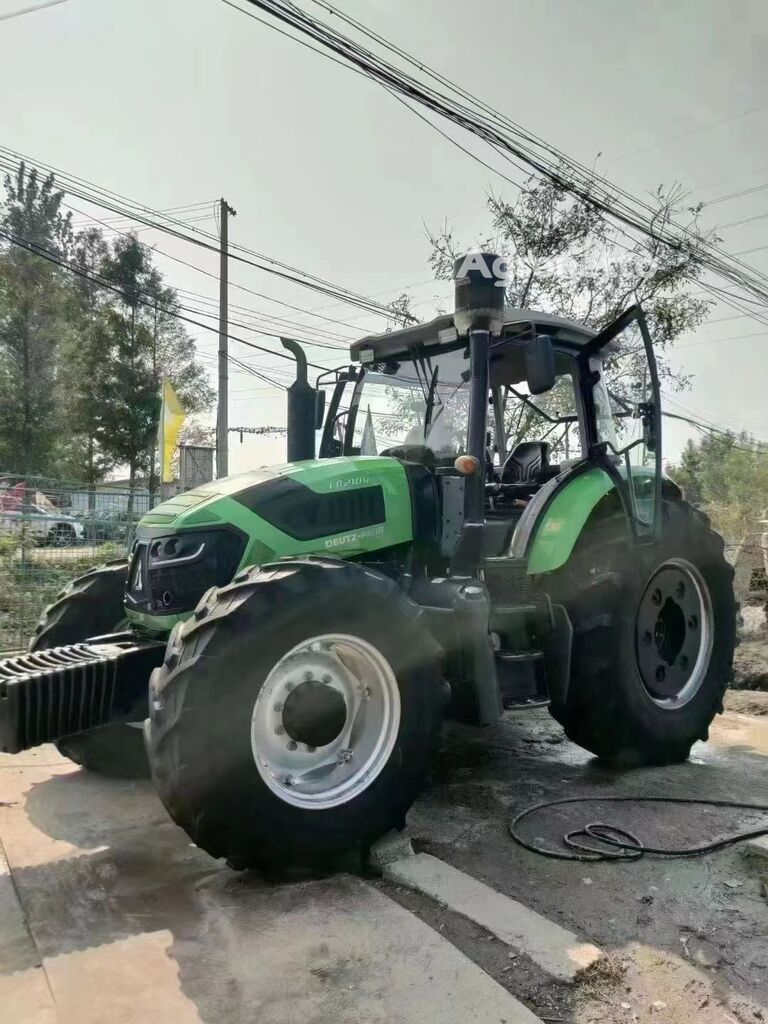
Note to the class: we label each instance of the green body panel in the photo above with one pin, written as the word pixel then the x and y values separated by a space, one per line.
pixel 561 524
pixel 215 504
pixel 563 521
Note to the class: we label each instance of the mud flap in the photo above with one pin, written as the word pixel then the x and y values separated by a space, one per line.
pixel 557 646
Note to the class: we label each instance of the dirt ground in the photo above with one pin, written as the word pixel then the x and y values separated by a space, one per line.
pixel 688 938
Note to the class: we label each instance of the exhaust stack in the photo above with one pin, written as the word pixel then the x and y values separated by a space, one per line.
pixel 302 408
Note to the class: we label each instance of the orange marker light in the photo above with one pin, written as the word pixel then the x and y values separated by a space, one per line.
pixel 467 465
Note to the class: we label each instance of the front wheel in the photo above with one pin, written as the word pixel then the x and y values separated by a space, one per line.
pixel 654 634
pixel 295 715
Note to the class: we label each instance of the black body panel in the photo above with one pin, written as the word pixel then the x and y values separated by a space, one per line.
pixel 304 514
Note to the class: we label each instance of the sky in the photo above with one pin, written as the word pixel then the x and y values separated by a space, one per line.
pixel 174 102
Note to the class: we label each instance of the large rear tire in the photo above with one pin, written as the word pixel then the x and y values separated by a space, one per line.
pixel 90 606
pixel 654 634
pixel 295 715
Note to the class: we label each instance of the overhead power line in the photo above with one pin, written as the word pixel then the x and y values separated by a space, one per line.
pixel 736 195
pixel 760 447
pixel 207 273
pixel 693 131
pixel 516 143
pixel 31 10
pixel 52 257
pixel 90 192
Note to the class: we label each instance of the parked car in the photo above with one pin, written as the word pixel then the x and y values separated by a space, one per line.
pixel 105 524
pixel 43 522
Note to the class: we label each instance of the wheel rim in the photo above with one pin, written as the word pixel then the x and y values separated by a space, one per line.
pixel 325 721
pixel 674 633
pixel 62 536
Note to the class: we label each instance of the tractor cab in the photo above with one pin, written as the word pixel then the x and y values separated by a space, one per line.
pixel 500 408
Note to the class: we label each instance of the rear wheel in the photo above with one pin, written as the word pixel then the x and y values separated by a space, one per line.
pixel 90 606
pixel 295 715
pixel 654 633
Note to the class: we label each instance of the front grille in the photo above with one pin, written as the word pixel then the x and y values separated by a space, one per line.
pixel 205 559
pixel 179 589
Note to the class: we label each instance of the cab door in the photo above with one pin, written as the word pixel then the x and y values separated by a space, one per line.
pixel 620 389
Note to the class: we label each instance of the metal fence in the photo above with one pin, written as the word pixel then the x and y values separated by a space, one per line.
pixel 51 532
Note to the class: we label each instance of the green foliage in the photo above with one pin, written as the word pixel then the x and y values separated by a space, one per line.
pixel 34 297
pixel 727 476
pixel 81 364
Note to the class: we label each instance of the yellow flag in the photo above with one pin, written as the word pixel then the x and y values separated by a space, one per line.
pixel 172 416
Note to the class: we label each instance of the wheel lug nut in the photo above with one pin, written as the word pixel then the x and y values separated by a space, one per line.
pixel 279 730
pixel 656 596
pixel 310 750
pixel 307 677
pixel 289 686
pixel 326 679
pixel 292 745
pixel 278 707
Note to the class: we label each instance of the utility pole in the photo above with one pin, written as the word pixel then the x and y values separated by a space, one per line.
pixel 222 416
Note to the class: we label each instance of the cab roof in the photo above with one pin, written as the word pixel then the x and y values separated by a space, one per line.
pixel 442 331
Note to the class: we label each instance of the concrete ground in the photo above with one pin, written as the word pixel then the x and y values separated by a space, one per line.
pixel 108 914
pixel 689 933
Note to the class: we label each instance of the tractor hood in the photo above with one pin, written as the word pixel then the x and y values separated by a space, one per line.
pixel 344 507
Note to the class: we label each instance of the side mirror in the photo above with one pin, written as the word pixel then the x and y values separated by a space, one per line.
pixel 319 408
pixel 539 364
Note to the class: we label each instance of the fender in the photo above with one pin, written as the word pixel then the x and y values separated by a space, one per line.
pixel 553 520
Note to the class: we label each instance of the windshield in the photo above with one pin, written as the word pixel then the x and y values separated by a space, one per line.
pixel 422 403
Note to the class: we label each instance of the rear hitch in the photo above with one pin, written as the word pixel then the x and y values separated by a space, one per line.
pixel 45 695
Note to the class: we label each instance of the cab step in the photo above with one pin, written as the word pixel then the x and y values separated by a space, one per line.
pixel 522 679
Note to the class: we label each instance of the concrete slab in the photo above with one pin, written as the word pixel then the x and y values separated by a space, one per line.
pixel 757 848
pixel 553 948
pixel 24 994
pixel 392 846
pixel 133 925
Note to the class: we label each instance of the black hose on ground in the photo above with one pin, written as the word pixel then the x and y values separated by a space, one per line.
pixel 620 842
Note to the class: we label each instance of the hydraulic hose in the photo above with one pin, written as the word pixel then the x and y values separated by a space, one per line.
pixel 619 842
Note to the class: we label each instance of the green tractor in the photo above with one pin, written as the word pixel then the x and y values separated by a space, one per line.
pixel 475 520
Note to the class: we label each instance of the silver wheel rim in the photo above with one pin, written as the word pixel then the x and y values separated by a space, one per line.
pixel 329 681
pixel 674 634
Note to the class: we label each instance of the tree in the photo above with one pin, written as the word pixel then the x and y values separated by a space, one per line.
pixel 34 296
pixel 82 356
pixel 727 476
pixel 146 342
pixel 565 258
pixel 84 365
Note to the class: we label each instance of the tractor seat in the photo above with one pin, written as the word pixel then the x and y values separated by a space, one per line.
pixel 527 463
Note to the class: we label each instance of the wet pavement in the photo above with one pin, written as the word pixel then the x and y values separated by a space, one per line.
pixel 710 912
pixel 110 914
